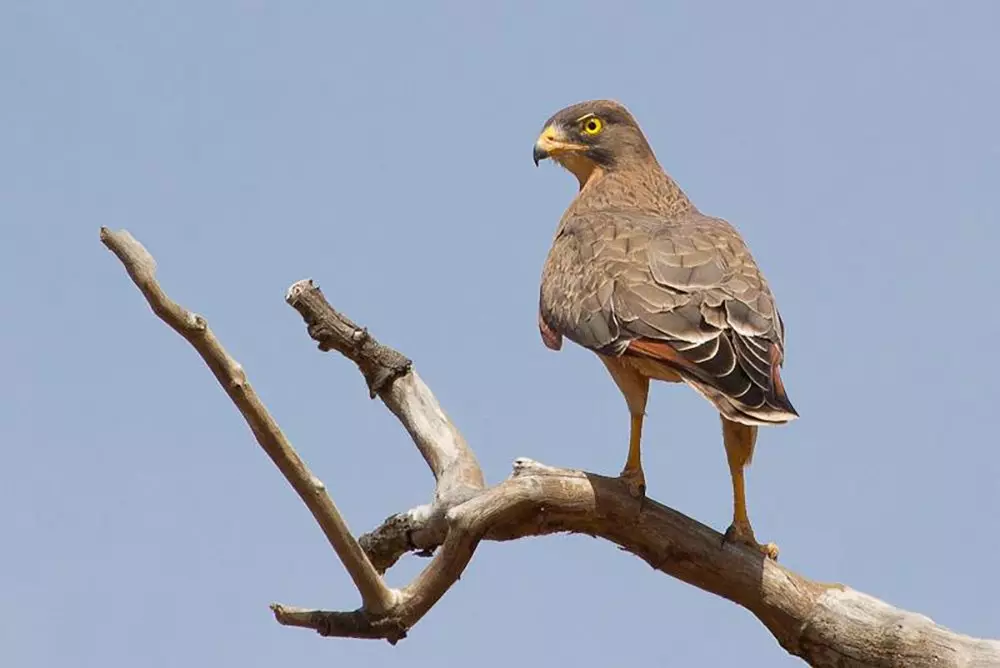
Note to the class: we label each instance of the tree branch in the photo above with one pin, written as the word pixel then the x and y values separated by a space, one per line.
pixel 141 267
pixel 825 624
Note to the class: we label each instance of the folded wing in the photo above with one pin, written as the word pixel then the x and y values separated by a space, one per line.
pixel 685 294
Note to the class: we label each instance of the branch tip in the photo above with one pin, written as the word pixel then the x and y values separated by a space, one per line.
pixel 297 288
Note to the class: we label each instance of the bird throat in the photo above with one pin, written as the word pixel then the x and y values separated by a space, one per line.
pixel 583 168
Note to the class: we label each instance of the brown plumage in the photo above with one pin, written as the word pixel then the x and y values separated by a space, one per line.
pixel 659 290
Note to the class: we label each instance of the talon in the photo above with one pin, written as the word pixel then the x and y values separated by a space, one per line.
pixel 743 535
pixel 635 482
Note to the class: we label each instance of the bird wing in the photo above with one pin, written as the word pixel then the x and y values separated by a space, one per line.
pixel 684 293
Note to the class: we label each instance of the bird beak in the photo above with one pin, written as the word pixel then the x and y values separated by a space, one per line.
pixel 551 143
pixel 539 154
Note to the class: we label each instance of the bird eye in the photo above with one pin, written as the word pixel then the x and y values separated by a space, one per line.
pixel 593 126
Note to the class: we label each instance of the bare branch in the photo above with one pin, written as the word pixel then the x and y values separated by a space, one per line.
pixel 825 624
pixel 141 267
pixel 355 624
pixel 390 376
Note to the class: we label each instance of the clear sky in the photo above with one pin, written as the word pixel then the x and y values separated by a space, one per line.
pixel 383 149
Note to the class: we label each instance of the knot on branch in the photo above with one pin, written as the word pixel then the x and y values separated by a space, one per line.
pixel 332 330
pixel 418 531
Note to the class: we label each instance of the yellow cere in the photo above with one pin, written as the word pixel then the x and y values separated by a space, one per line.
pixel 550 133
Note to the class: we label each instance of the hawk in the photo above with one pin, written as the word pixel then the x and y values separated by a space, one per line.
pixel 659 291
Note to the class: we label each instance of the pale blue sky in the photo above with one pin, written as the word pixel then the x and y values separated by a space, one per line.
pixel 384 150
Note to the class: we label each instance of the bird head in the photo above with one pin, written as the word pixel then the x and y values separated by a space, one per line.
pixel 590 135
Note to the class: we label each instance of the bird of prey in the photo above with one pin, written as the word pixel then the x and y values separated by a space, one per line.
pixel 659 291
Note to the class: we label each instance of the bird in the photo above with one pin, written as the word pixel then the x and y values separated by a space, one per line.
pixel 659 291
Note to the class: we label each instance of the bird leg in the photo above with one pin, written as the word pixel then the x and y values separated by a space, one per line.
pixel 739 440
pixel 632 474
pixel 634 387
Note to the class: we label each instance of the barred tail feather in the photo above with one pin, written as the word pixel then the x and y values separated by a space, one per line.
pixel 736 379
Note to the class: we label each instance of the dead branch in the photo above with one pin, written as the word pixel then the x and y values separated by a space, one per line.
pixel 825 624
pixel 141 268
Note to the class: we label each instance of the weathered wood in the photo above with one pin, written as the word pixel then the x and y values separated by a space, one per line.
pixel 825 624
pixel 142 269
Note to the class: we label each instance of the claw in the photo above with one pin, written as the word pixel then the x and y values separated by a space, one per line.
pixel 635 482
pixel 743 535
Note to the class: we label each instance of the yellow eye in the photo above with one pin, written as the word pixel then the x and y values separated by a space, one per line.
pixel 592 126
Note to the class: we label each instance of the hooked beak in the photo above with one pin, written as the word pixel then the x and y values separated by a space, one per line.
pixel 551 143
pixel 538 154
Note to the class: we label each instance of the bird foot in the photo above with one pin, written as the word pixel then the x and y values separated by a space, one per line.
pixel 743 534
pixel 635 482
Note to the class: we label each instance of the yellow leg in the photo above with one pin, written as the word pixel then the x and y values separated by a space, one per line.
pixel 632 473
pixel 635 388
pixel 739 440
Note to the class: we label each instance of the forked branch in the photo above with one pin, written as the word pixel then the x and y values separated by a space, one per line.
pixel 827 625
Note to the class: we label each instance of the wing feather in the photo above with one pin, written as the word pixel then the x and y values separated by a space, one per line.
pixel 685 293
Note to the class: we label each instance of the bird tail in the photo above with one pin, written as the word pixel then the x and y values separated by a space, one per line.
pixel 776 408
pixel 742 391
